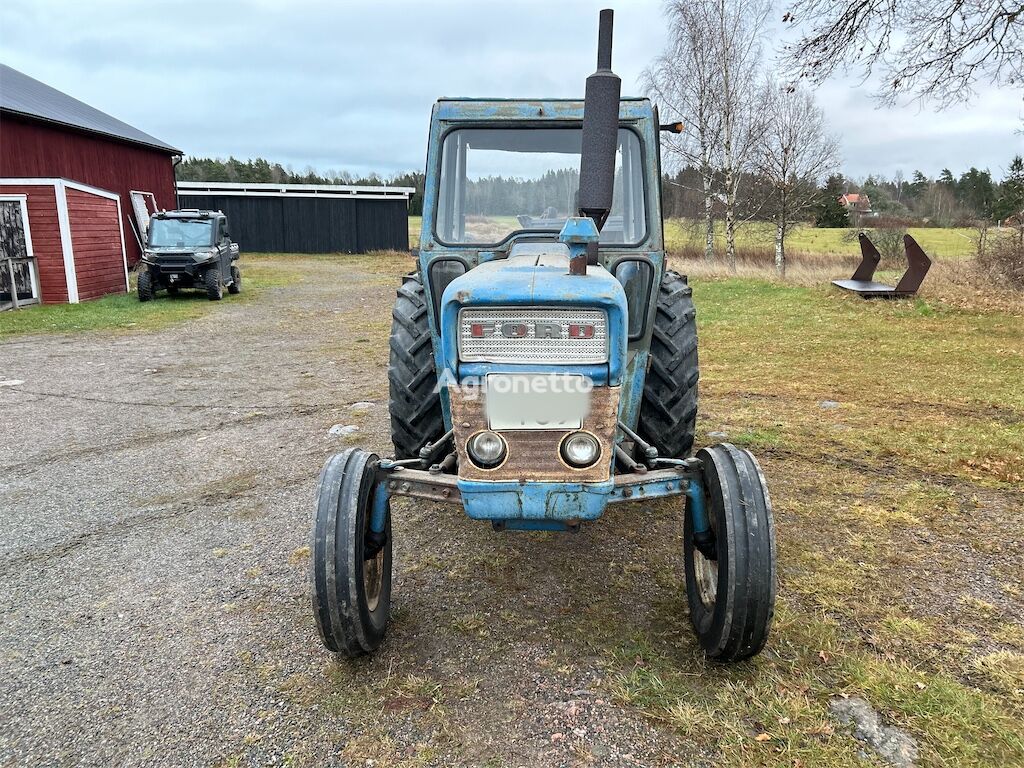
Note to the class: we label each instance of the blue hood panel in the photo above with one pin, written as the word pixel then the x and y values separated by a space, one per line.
pixel 536 275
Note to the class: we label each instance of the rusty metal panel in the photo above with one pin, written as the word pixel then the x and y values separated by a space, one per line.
pixel 533 455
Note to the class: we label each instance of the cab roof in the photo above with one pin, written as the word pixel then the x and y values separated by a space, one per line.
pixel 187 213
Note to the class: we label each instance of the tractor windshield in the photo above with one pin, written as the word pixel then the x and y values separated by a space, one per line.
pixel 180 233
pixel 496 182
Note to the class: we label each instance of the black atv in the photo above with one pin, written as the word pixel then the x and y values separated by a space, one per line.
pixel 189 249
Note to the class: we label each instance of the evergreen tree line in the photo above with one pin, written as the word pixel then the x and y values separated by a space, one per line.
pixel 263 171
pixel 945 200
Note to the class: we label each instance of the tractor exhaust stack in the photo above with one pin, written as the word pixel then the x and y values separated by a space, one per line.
pixel 600 133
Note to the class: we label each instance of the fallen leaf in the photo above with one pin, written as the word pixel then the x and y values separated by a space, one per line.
pixel 763 737
pixel 824 657
pixel 783 721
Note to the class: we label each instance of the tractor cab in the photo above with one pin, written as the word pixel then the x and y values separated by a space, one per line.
pixel 543 365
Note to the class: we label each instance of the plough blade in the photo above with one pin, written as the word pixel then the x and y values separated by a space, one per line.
pixel 864 286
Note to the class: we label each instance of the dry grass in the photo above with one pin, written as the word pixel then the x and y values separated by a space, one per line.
pixel 957 282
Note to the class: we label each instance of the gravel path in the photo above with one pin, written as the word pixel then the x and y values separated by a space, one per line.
pixel 155 500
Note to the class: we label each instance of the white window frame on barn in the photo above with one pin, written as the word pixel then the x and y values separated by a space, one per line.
pixel 7 264
pixel 60 193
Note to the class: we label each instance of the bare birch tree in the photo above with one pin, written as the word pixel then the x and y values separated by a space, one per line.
pixel 796 153
pixel 708 76
pixel 737 32
pixel 682 80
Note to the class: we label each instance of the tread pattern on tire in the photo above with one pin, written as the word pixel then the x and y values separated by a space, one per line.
pixel 738 627
pixel 414 403
pixel 336 573
pixel 211 279
pixel 145 285
pixel 236 280
pixel 668 411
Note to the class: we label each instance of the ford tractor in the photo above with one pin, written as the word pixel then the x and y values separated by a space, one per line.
pixel 543 365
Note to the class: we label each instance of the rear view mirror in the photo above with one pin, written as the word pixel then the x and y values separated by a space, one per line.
pixel 635 277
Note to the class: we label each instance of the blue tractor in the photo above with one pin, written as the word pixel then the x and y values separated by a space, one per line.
pixel 543 365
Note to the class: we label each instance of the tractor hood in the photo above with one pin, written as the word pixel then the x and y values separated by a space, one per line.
pixel 536 275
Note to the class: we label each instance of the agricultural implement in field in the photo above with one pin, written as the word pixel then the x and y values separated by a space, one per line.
pixel 544 365
pixel 862 282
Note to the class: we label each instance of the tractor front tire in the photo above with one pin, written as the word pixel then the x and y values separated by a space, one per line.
pixel 668 412
pixel 351 594
pixel 145 285
pixel 414 401
pixel 236 280
pixel 214 288
pixel 732 597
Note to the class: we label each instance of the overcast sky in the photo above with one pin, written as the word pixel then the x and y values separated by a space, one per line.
pixel 349 85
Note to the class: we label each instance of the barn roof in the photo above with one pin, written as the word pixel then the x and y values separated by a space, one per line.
pixel 26 96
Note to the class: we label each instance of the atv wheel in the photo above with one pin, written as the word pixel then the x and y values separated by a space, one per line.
pixel 732 598
pixel 668 412
pixel 236 280
pixel 146 289
pixel 214 289
pixel 414 402
pixel 351 593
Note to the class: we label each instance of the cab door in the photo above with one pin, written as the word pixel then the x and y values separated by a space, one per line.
pixel 224 249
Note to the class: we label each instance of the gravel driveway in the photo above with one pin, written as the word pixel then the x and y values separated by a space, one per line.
pixel 155 493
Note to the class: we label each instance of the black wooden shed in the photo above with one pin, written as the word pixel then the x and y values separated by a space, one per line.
pixel 306 218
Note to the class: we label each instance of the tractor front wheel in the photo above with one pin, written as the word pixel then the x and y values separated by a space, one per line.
pixel 350 570
pixel 732 595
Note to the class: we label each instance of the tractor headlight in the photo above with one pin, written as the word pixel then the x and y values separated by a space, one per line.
pixel 580 449
pixel 486 449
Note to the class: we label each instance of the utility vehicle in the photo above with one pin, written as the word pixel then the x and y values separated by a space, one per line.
pixel 189 248
pixel 543 365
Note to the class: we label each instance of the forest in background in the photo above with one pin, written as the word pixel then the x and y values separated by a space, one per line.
pixel 942 200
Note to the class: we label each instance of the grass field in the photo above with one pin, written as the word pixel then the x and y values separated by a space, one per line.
pixel 126 312
pixel 941 243
pixel 899 509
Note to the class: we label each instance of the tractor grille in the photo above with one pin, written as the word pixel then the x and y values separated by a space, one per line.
pixel 515 335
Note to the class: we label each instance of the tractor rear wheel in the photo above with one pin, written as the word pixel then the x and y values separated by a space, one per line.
pixel 668 412
pixel 732 597
pixel 414 402
pixel 351 591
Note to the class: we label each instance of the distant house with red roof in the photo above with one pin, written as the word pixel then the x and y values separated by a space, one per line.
pixel 856 203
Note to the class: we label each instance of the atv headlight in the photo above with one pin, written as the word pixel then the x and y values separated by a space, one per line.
pixel 486 449
pixel 580 449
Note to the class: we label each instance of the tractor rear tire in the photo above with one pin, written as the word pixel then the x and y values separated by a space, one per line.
pixel 351 594
pixel 145 285
pixel 732 598
pixel 414 401
pixel 214 288
pixel 236 280
pixel 668 412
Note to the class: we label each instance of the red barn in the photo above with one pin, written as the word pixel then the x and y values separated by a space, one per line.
pixel 75 186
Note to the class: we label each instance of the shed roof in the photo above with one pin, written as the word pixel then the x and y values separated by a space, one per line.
pixel 26 96
pixel 254 189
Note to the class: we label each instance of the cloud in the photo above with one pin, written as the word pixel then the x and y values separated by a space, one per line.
pixel 350 85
